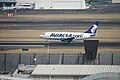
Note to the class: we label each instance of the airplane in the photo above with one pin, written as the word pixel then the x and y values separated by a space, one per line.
pixel 12 7
pixel 70 36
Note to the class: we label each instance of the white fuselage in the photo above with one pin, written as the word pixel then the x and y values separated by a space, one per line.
pixel 66 35
pixel 69 36
pixel 9 8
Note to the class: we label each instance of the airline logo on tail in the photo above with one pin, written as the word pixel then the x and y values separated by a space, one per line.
pixel 69 36
pixel 93 28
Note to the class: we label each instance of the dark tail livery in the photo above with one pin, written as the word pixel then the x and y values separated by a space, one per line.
pixel 93 28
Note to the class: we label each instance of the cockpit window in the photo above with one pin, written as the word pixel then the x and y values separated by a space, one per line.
pixel 43 34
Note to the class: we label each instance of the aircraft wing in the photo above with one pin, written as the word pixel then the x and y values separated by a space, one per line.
pixel 67 39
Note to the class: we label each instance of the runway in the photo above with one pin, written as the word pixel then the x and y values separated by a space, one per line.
pixel 53 24
pixel 54 44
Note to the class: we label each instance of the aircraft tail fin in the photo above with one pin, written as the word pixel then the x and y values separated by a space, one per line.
pixel 93 28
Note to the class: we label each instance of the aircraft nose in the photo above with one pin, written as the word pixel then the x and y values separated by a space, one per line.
pixel 41 36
